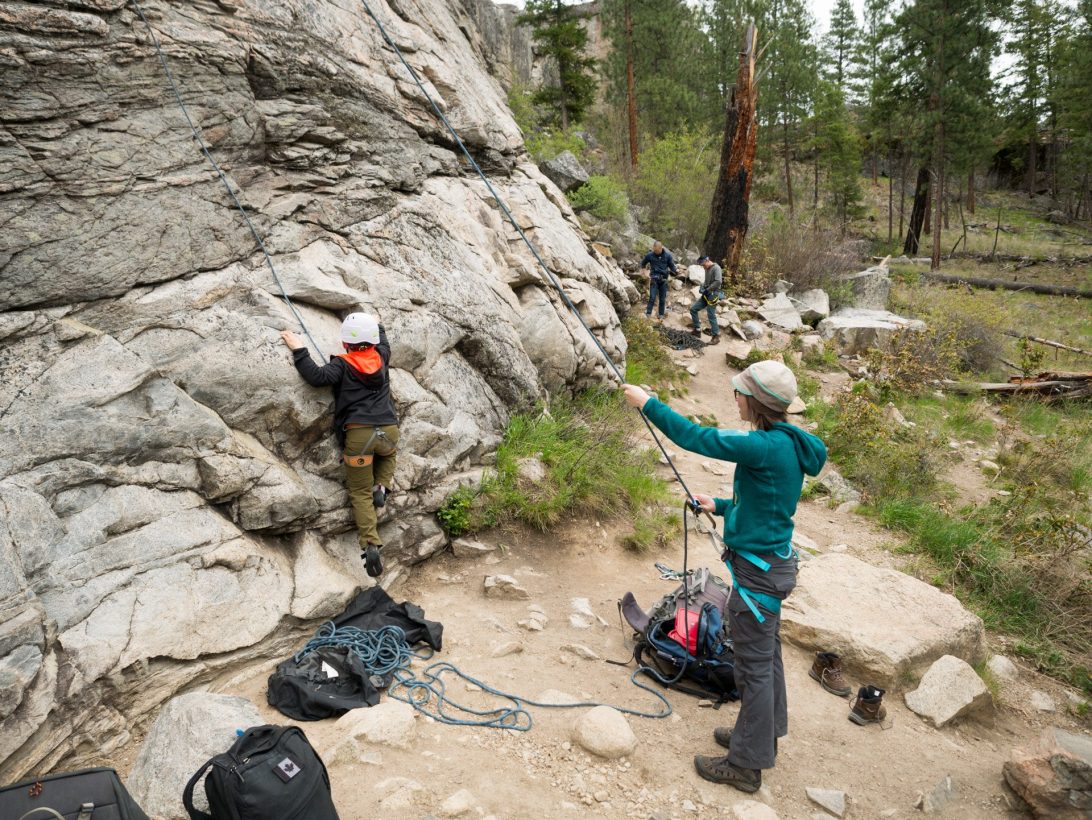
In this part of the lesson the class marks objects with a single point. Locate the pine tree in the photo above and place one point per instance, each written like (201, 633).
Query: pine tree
(1073, 97)
(670, 59)
(946, 47)
(842, 45)
(558, 33)
(789, 77)
(839, 152)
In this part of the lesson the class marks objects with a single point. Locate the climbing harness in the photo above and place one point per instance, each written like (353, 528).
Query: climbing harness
(223, 177)
(385, 652)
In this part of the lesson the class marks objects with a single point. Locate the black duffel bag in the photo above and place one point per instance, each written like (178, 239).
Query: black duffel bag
(87, 794)
(327, 682)
(269, 773)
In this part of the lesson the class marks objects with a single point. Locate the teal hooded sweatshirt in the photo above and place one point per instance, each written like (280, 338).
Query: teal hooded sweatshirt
(770, 469)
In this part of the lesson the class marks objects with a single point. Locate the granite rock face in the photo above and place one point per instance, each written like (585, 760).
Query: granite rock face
(163, 468)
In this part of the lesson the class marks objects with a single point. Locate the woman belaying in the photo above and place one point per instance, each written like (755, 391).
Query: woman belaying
(364, 419)
(771, 462)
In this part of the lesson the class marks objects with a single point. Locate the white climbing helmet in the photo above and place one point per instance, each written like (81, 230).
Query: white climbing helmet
(360, 328)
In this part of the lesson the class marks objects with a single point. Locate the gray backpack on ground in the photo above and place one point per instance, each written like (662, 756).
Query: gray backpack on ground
(87, 794)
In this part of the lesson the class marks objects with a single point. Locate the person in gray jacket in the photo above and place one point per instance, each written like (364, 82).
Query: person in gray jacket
(709, 296)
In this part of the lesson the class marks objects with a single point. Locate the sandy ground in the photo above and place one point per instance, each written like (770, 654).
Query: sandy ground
(541, 774)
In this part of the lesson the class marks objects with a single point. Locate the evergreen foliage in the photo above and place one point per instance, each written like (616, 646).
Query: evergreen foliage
(559, 34)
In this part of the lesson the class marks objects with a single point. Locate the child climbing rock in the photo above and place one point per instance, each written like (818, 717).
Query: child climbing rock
(364, 419)
(770, 464)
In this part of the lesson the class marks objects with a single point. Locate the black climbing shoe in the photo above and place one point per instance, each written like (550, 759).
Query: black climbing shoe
(379, 496)
(373, 564)
(719, 770)
(723, 736)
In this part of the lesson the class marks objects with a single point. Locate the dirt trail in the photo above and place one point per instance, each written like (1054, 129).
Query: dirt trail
(539, 774)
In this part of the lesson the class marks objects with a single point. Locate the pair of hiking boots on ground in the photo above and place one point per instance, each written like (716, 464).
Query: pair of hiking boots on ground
(867, 708)
(373, 563)
(714, 338)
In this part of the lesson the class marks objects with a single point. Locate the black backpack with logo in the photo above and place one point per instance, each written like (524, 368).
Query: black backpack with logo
(683, 643)
(269, 773)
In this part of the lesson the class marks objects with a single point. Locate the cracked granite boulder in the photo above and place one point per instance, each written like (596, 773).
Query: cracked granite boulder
(171, 502)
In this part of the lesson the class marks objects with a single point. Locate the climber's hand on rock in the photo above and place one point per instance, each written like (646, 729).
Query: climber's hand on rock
(293, 341)
(634, 395)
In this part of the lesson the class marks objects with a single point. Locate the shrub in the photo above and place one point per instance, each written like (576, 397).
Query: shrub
(602, 197)
(543, 142)
(674, 184)
(781, 248)
(647, 360)
(594, 462)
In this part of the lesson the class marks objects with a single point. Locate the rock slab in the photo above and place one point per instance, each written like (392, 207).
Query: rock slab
(781, 312)
(565, 171)
(389, 723)
(896, 626)
(857, 330)
(605, 732)
(1054, 775)
(504, 586)
(833, 800)
(190, 729)
(949, 690)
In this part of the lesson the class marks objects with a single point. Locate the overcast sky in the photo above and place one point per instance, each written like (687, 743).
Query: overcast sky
(821, 9)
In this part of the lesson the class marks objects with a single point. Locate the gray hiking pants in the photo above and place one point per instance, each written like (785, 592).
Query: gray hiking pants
(760, 678)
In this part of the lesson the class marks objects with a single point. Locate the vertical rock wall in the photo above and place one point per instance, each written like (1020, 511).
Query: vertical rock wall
(171, 502)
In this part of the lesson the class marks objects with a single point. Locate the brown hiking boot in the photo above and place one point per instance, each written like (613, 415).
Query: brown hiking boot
(719, 770)
(695, 332)
(723, 736)
(827, 669)
(868, 708)
(714, 339)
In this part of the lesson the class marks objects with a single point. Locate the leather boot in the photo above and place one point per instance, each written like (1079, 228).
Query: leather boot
(719, 770)
(827, 669)
(723, 736)
(868, 708)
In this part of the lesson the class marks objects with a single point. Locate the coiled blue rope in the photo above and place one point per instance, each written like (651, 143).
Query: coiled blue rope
(385, 652)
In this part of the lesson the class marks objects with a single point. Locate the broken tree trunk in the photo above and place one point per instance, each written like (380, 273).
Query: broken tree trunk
(1048, 342)
(631, 90)
(917, 214)
(728, 217)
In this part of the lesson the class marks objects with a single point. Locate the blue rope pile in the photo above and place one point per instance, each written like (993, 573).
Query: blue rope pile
(385, 652)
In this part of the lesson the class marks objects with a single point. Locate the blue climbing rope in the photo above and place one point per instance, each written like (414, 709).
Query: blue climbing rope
(385, 652)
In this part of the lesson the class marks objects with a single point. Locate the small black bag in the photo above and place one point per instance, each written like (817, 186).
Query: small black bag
(327, 682)
(79, 795)
(269, 773)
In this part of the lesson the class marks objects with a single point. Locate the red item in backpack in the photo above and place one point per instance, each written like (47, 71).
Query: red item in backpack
(685, 633)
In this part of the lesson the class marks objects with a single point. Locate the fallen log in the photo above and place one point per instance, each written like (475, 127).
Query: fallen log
(1004, 284)
(1051, 386)
(1048, 343)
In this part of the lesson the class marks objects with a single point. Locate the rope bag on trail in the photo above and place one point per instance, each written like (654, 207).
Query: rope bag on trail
(682, 643)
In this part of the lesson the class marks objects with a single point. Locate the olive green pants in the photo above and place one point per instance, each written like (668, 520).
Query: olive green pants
(377, 446)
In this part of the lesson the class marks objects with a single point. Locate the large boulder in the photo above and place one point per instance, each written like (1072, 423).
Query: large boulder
(949, 690)
(565, 171)
(189, 730)
(780, 311)
(164, 467)
(1054, 775)
(812, 305)
(886, 625)
(856, 331)
(870, 288)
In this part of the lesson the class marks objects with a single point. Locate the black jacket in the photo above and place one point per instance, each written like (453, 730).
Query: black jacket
(361, 382)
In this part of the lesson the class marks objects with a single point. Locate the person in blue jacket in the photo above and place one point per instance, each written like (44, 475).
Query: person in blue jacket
(661, 267)
(771, 461)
